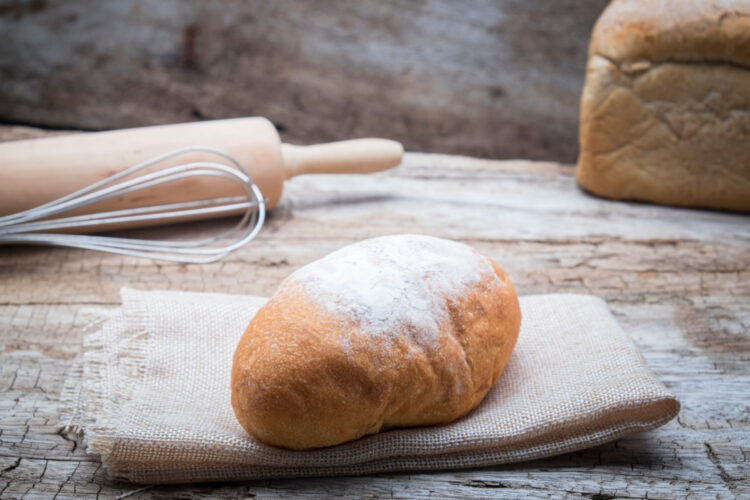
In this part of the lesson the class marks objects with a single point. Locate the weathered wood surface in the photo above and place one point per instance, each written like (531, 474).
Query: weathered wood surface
(678, 280)
(489, 78)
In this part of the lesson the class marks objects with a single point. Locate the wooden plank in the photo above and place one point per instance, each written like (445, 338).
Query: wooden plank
(678, 280)
(498, 79)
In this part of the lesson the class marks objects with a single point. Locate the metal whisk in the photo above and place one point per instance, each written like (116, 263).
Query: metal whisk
(37, 225)
(211, 182)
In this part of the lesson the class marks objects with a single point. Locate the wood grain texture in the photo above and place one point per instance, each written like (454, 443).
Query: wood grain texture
(489, 78)
(678, 281)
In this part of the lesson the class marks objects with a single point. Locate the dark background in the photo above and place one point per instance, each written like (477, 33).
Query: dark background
(498, 79)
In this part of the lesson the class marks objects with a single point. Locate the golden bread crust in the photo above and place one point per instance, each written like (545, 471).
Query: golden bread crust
(674, 30)
(665, 111)
(304, 377)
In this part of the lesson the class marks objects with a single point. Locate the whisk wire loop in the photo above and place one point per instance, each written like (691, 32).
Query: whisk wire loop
(31, 226)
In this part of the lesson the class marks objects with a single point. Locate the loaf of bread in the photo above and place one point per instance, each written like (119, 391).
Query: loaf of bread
(665, 112)
(390, 332)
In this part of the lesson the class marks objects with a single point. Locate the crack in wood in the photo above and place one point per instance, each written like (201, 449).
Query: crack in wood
(63, 434)
(480, 483)
(11, 466)
(729, 481)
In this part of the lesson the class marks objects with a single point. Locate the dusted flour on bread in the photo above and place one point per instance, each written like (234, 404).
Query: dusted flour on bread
(385, 282)
(390, 332)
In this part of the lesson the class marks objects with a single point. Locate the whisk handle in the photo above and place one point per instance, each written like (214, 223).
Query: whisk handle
(355, 156)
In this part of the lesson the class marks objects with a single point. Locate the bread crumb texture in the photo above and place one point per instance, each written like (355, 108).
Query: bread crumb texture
(390, 332)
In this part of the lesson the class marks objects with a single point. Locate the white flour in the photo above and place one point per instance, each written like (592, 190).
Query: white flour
(391, 281)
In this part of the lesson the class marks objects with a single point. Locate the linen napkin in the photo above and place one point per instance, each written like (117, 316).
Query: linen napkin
(152, 396)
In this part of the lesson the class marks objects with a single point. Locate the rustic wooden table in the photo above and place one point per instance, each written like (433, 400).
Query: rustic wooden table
(678, 281)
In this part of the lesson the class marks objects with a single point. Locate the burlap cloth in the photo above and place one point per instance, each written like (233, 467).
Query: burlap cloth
(153, 400)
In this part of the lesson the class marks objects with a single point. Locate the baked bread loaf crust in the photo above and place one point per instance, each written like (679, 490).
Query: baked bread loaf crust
(390, 332)
(665, 112)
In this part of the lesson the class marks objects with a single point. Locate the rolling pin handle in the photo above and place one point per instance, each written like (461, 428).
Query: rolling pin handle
(355, 156)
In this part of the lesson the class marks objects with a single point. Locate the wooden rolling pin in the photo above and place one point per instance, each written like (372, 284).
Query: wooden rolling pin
(33, 172)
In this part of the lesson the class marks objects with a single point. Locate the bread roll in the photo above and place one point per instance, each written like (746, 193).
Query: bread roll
(665, 112)
(389, 332)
